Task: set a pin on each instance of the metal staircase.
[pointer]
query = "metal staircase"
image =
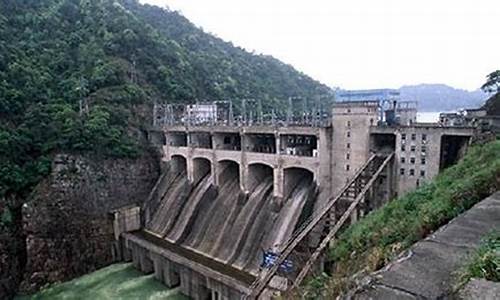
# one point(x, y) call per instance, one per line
point(340, 208)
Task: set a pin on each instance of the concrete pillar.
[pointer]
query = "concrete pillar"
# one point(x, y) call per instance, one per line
point(126, 253)
point(244, 177)
point(135, 256)
point(157, 266)
point(189, 165)
point(170, 277)
point(185, 281)
point(277, 138)
point(214, 165)
point(278, 183)
point(146, 264)
point(243, 165)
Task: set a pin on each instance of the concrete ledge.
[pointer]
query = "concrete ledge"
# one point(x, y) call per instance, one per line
point(480, 289)
point(205, 266)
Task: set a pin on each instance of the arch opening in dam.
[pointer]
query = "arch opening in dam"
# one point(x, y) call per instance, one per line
point(178, 164)
point(227, 170)
point(257, 173)
point(201, 168)
point(292, 176)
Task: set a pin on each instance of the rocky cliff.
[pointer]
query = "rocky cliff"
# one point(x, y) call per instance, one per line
point(12, 252)
point(66, 224)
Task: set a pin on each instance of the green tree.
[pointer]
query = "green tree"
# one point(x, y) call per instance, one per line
point(492, 84)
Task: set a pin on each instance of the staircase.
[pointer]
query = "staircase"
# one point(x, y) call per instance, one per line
point(339, 208)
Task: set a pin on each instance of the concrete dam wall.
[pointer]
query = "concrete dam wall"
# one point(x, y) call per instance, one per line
point(223, 223)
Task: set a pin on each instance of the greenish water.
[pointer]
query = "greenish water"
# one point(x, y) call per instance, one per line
point(118, 281)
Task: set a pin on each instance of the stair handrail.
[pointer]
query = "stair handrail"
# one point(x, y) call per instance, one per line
point(340, 223)
point(260, 283)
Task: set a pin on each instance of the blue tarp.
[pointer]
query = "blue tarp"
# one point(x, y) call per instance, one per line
point(269, 258)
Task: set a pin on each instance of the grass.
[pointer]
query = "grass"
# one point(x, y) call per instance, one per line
point(379, 237)
point(485, 262)
point(118, 281)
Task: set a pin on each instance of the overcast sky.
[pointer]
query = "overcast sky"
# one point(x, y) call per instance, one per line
point(359, 44)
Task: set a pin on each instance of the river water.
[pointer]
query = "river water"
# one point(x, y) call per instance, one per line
point(118, 281)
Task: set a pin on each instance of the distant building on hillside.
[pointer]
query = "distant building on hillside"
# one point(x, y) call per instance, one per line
point(381, 95)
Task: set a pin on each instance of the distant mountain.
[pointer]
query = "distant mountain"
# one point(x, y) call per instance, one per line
point(440, 97)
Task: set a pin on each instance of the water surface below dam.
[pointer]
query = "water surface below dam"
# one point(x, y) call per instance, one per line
point(118, 281)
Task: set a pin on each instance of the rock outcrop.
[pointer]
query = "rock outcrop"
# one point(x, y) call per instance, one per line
point(12, 253)
point(66, 223)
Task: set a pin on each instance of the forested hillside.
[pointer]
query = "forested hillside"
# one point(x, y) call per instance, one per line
point(81, 75)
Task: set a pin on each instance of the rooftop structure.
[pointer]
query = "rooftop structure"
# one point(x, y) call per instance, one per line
point(380, 95)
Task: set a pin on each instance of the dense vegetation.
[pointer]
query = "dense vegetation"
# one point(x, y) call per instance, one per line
point(485, 263)
point(492, 86)
point(380, 236)
point(81, 75)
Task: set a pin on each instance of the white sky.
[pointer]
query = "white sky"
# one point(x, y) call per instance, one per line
point(362, 43)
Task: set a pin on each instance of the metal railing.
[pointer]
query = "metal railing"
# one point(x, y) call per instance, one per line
point(357, 185)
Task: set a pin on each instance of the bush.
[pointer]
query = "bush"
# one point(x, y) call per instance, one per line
point(485, 263)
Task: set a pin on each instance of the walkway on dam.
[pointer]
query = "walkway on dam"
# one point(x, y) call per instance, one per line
point(150, 241)
point(427, 269)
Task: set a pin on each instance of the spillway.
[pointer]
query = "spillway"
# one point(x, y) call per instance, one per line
point(171, 204)
point(224, 223)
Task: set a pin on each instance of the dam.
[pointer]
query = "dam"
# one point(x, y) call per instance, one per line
point(246, 206)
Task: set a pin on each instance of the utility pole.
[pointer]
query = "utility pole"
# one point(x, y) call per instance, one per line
point(231, 116)
point(304, 111)
point(289, 112)
point(244, 111)
point(260, 117)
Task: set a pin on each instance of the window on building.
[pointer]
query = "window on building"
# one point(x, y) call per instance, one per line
point(413, 136)
point(403, 160)
point(422, 173)
point(401, 171)
point(348, 145)
point(348, 156)
point(348, 110)
point(403, 136)
point(347, 167)
point(413, 148)
point(422, 160)
point(348, 123)
point(412, 172)
point(371, 122)
point(424, 148)
point(424, 137)
point(403, 148)
point(348, 134)
point(412, 160)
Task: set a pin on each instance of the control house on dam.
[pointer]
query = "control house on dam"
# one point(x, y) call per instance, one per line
point(248, 202)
